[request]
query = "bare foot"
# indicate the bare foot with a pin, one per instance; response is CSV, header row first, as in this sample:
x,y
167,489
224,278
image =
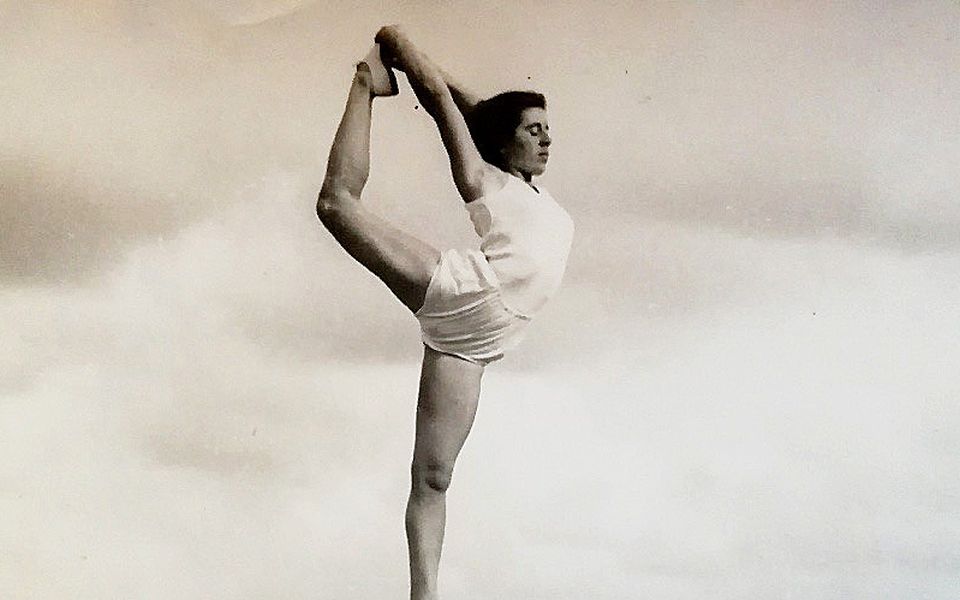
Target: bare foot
x,y
363,77
382,81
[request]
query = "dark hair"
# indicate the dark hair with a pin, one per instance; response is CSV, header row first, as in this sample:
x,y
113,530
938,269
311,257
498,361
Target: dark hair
x,y
493,121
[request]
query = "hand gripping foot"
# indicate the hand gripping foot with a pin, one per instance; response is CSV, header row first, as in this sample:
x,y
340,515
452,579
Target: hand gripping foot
x,y
383,82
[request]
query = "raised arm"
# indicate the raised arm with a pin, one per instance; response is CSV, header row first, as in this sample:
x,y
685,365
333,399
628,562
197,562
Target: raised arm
x,y
473,176
464,98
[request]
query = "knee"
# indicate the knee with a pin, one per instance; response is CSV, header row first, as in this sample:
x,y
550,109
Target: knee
x,y
431,477
331,202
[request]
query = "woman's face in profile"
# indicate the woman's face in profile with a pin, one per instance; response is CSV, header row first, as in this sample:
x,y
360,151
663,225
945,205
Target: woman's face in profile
x,y
526,153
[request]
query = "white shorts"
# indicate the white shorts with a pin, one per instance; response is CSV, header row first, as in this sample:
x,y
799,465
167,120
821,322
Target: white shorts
x,y
463,314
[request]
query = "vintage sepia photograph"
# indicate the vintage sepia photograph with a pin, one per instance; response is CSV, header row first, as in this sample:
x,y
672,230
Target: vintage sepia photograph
x,y
599,300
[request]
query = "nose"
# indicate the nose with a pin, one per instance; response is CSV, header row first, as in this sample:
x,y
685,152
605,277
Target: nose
x,y
544,138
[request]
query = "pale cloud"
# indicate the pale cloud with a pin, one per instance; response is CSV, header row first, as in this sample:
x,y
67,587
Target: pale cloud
x,y
696,458
765,439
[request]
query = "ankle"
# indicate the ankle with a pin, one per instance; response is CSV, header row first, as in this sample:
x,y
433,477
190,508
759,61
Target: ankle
x,y
362,79
424,588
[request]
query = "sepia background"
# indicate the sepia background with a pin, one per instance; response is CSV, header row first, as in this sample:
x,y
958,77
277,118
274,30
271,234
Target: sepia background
x,y
746,388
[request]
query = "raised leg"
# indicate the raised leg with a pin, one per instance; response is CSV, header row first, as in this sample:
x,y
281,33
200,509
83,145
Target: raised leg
x,y
449,393
403,262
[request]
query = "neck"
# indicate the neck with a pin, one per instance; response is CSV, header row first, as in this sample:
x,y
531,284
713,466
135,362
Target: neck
x,y
526,176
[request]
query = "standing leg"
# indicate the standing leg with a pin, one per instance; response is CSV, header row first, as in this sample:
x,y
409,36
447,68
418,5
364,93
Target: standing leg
x,y
403,262
449,393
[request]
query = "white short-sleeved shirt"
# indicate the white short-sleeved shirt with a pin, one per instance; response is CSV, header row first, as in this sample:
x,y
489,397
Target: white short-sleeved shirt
x,y
525,237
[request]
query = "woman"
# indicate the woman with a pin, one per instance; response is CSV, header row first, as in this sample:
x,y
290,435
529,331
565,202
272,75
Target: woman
x,y
472,305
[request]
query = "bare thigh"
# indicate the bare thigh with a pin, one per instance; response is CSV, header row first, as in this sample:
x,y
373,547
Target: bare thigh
x,y
447,405
403,262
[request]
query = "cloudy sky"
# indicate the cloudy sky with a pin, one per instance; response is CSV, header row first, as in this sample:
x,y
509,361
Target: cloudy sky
x,y
747,387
